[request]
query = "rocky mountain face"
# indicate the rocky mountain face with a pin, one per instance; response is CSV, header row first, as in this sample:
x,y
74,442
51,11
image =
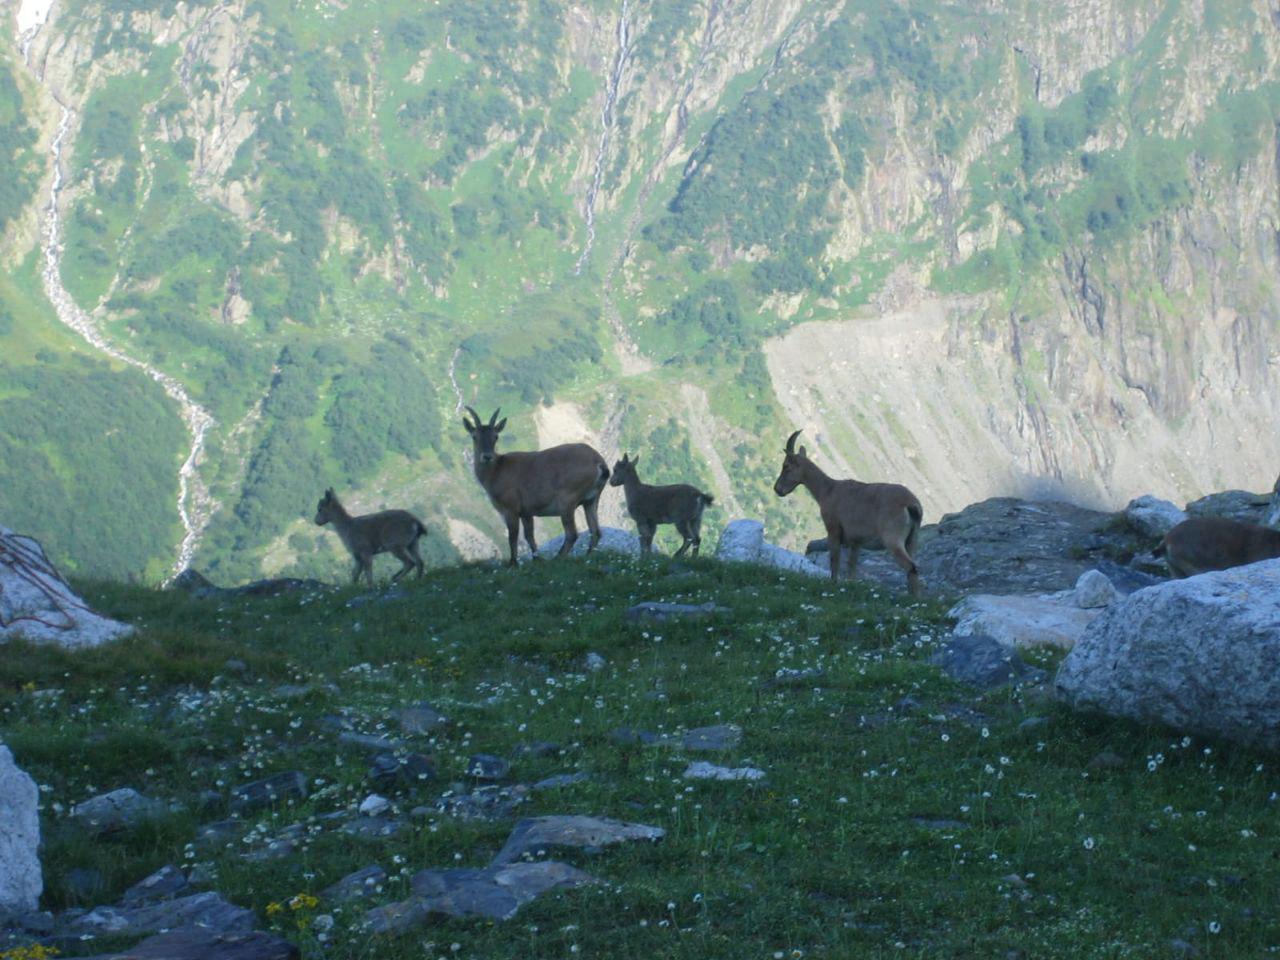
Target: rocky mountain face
x,y
983,249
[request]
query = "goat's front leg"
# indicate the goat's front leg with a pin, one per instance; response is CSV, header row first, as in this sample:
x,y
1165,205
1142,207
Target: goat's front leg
x,y
528,536
513,537
834,548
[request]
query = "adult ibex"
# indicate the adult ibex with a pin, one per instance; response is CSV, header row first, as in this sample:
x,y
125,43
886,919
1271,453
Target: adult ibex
x,y
649,506
391,531
1201,544
543,483
856,514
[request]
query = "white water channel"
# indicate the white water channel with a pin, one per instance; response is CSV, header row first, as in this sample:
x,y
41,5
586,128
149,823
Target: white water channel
x,y
608,121
195,507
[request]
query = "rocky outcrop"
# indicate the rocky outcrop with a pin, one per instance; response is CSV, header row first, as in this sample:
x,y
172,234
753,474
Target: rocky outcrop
x,y
612,540
1201,655
20,878
37,604
1152,517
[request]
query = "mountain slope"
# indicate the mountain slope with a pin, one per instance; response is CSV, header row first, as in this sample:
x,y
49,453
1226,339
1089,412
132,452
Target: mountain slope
x,y
973,248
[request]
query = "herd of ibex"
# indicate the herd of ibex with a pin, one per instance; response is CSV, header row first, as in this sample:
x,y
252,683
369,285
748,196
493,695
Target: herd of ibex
x,y
557,481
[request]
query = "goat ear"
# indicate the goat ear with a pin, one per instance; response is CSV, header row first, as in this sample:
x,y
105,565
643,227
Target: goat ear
x,y
803,451
635,459
501,423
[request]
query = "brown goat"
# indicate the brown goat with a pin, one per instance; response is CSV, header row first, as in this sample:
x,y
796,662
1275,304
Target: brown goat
x,y
390,531
543,483
1201,544
649,506
857,514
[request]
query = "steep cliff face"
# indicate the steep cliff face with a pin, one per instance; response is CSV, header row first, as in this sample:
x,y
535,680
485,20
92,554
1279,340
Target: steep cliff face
x,y
981,248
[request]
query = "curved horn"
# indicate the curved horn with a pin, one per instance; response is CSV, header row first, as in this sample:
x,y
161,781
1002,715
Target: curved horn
x,y
791,442
474,415
493,419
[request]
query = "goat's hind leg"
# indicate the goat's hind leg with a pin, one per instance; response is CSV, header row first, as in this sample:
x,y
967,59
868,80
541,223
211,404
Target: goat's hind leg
x,y
900,554
589,508
405,557
683,526
570,533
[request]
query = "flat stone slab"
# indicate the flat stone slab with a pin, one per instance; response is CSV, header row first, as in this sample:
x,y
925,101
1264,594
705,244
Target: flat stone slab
x,y
207,945
373,743
984,662
37,604
207,911
373,827
560,780
536,835
701,770
1022,621
117,810
494,893
355,886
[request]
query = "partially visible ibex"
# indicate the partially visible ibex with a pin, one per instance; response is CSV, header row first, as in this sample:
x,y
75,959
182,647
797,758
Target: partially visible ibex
x,y
856,514
649,506
390,531
543,483
1201,544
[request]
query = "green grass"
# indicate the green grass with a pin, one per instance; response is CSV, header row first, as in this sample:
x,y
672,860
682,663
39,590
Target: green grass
x,y
823,859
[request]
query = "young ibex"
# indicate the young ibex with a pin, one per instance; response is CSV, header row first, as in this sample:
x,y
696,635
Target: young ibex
x,y
390,531
856,514
649,506
1201,544
543,483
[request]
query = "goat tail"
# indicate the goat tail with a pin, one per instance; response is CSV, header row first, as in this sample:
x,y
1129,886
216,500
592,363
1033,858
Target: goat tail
x,y
422,529
604,471
707,499
917,517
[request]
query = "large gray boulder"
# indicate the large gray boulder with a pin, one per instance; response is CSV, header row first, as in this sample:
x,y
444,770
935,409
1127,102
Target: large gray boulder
x,y
1201,655
37,604
20,880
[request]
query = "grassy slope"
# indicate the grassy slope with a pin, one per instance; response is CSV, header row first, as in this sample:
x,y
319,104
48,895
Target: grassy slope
x,y
823,859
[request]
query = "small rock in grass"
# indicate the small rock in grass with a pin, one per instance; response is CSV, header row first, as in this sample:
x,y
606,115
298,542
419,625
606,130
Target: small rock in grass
x,y
537,749
355,886
420,720
1032,724
389,769
561,780
594,662
485,766
276,849
723,736
373,827
110,812
701,770
269,791
218,833
373,805
1106,760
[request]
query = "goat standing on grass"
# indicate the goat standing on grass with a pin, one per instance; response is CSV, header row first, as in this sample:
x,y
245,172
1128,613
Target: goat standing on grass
x,y
391,531
543,483
1201,544
649,506
857,514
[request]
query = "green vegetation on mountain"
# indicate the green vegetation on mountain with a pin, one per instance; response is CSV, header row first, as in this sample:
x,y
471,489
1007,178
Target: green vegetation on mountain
x,y
314,217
